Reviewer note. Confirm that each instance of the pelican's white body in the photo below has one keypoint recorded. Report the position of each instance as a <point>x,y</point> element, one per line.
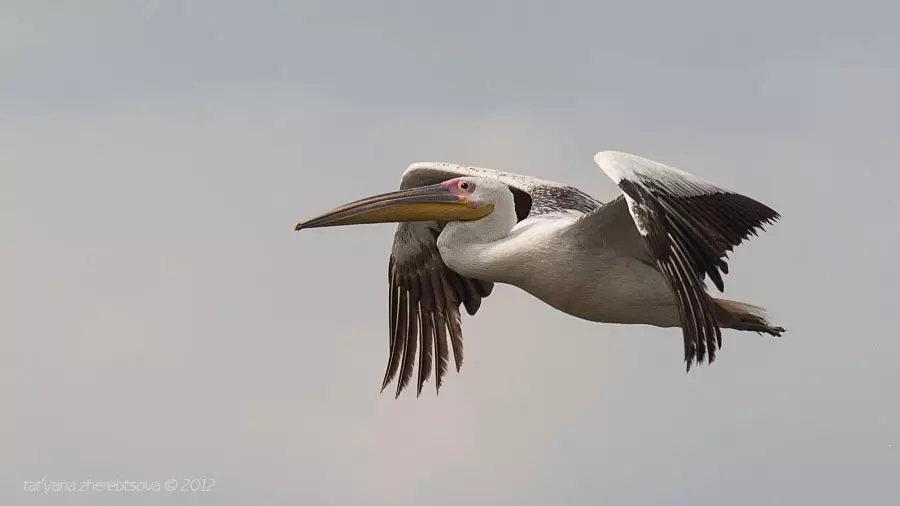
<point>541,257</point>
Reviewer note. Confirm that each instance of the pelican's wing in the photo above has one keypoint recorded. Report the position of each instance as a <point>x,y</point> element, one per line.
<point>688,225</point>
<point>425,294</point>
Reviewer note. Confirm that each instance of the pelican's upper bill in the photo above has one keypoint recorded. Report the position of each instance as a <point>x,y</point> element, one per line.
<point>437,202</point>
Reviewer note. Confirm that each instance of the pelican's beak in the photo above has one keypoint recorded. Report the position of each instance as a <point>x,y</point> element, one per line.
<point>427,203</point>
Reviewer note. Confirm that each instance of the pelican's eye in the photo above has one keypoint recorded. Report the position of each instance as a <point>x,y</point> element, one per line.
<point>467,186</point>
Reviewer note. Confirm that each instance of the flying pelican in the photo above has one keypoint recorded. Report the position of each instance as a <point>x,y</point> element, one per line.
<point>641,258</point>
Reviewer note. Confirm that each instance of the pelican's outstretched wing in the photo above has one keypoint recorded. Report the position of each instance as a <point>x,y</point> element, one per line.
<point>425,294</point>
<point>688,225</point>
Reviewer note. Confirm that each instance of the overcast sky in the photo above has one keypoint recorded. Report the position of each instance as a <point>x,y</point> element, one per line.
<point>159,317</point>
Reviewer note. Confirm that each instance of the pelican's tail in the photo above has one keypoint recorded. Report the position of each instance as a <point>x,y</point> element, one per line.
<point>742,316</point>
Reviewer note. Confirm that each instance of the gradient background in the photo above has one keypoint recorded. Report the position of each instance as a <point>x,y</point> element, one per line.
<point>160,317</point>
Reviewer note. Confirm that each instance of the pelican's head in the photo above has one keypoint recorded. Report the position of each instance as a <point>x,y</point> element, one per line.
<point>459,199</point>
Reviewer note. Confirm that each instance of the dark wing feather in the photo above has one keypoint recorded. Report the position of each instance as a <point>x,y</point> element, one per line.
<point>425,307</point>
<point>425,294</point>
<point>688,225</point>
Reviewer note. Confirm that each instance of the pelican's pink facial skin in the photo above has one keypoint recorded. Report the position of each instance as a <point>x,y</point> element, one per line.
<point>460,186</point>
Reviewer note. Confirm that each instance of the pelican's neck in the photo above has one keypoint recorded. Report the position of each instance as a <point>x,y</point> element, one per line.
<point>478,249</point>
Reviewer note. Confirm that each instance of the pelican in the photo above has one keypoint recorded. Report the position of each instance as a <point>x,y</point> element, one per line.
<point>641,258</point>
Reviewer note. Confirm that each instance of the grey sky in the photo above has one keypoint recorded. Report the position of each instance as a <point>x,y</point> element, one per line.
<point>160,318</point>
